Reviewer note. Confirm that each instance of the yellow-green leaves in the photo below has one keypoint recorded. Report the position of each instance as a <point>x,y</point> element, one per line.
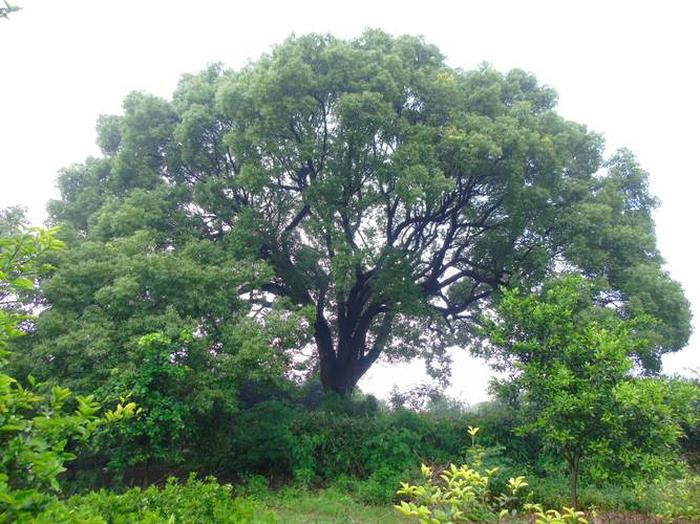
<point>121,412</point>
<point>472,431</point>
<point>35,432</point>
<point>517,483</point>
<point>462,494</point>
<point>552,516</point>
<point>21,252</point>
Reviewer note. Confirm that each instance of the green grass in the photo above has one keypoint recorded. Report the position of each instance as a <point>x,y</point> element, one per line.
<point>335,506</point>
<point>329,506</point>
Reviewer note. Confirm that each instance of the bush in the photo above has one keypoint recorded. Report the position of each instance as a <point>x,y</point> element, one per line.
<point>262,440</point>
<point>667,498</point>
<point>201,501</point>
<point>330,445</point>
<point>380,486</point>
<point>39,425</point>
<point>465,494</point>
<point>36,435</point>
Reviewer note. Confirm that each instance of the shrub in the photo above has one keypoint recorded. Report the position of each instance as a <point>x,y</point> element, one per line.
<point>37,432</point>
<point>464,494</point>
<point>262,440</point>
<point>38,429</point>
<point>200,501</point>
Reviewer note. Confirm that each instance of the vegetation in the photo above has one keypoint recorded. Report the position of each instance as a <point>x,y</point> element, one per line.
<point>568,369</point>
<point>239,256</point>
<point>36,429</point>
<point>195,501</point>
<point>464,494</point>
<point>363,186</point>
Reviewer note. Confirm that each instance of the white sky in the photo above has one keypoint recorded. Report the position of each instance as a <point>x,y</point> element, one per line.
<point>628,69</point>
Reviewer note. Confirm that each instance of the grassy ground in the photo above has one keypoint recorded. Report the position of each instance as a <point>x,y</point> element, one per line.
<point>332,506</point>
<point>328,506</point>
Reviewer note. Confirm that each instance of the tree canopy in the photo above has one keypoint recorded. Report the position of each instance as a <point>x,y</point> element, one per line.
<point>365,188</point>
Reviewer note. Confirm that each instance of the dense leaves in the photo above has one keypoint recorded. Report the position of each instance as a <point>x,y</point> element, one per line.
<point>566,365</point>
<point>194,501</point>
<point>289,223</point>
<point>143,306</point>
<point>37,427</point>
<point>365,181</point>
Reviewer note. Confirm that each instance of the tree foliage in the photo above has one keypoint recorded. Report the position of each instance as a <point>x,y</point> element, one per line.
<point>142,305</point>
<point>565,362</point>
<point>368,187</point>
<point>37,427</point>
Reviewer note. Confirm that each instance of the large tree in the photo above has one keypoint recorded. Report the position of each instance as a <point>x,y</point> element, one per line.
<point>389,194</point>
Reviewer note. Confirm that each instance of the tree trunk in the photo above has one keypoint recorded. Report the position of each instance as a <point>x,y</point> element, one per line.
<point>342,369</point>
<point>573,479</point>
<point>341,374</point>
<point>340,381</point>
<point>344,362</point>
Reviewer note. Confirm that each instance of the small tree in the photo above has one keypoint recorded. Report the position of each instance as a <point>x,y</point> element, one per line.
<point>566,363</point>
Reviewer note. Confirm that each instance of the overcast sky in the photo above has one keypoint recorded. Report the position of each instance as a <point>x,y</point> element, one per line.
<point>627,69</point>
